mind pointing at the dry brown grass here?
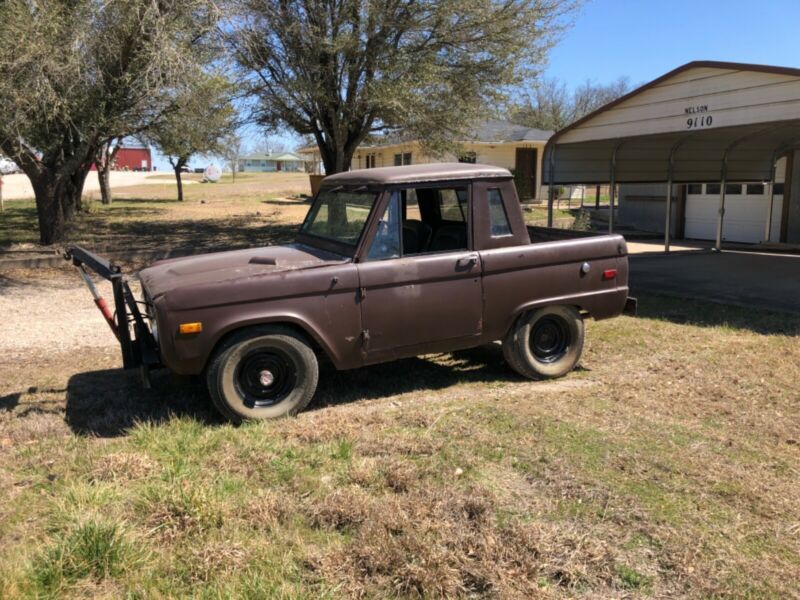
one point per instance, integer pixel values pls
(667, 465)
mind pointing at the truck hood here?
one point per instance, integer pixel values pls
(225, 267)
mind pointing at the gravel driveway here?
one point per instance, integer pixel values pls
(53, 314)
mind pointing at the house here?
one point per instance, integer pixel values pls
(493, 142)
(267, 162)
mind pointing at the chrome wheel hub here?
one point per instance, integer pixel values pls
(266, 378)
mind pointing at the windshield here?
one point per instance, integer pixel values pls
(339, 215)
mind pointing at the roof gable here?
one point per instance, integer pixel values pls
(698, 95)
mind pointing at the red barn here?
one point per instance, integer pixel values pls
(132, 158)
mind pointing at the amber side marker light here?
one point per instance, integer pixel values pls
(190, 328)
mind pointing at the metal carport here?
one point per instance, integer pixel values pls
(702, 122)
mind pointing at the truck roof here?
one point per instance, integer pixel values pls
(417, 174)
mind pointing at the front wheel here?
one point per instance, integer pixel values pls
(264, 372)
(545, 343)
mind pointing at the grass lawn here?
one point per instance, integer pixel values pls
(666, 465)
(149, 216)
(538, 215)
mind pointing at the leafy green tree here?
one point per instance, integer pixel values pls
(204, 115)
(74, 74)
(338, 70)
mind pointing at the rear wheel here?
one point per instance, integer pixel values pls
(545, 343)
(262, 373)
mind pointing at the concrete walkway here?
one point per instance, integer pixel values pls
(757, 280)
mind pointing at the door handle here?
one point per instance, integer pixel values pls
(467, 262)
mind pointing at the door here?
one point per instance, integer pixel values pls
(525, 165)
(413, 301)
(746, 212)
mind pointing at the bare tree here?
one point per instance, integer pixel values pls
(269, 145)
(551, 106)
(204, 115)
(75, 74)
(232, 149)
(338, 70)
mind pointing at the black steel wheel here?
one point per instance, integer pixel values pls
(265, 378)
(550, 338)
(545, 343)
(263, 372)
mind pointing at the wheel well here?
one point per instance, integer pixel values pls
(312, 342)
(581, 311)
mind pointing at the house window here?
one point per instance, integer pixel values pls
(713, 189)
(694, 188)
(778, 189)
(755, 189)
(402, 159)
(370, 160)
(498, 219)
(468, 157)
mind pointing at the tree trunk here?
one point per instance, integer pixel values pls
(179, 181)
(57, 200)
(105, 158)
(49, 211)
(103, 176)
(336, 160)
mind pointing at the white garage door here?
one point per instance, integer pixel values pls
(746, 209)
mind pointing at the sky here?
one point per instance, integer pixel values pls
(643, 39)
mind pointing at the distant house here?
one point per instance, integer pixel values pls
(493, 142)
(262, 162)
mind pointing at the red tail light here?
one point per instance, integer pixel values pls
(609, 274)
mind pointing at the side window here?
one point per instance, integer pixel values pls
(434, 220)
(386, 243)
(498, 219)
(453, 204)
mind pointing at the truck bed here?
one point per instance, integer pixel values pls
(555, 234)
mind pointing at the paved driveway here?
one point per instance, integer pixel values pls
(766, 281)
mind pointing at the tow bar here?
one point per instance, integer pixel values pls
(137, 343)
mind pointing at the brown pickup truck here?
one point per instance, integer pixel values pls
(389, 263)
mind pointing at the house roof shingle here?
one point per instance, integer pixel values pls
(493, 130)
